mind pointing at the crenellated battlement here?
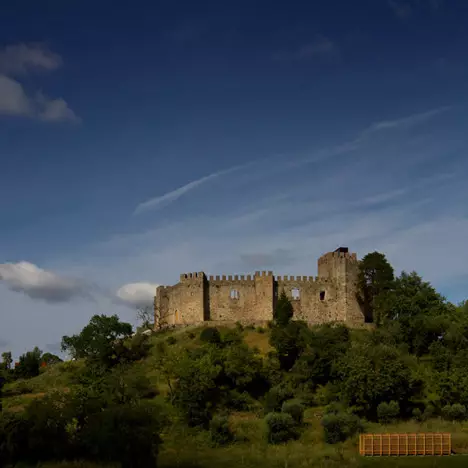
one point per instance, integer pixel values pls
(327, 297)
(200, 275)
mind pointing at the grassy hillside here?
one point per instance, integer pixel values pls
(192, 447)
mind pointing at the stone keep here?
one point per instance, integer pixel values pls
(329, 297)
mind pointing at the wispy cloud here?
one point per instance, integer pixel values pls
(18, 59)
(169, 197)
(321, 46)
(405, 9)
(14, 100)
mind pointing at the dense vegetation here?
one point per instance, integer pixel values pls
(247, 395)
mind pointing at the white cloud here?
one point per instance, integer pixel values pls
(13, 99)
(137, 295)
(40, 284)
(54, 110)
(21, 58)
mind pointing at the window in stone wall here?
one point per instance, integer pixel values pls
(234, 294)
(296, 294)
(322, 295)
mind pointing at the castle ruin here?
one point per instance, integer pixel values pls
(329, 297)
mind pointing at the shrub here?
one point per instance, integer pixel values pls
(281, 427)
(124, 433)
(388, 412)
(295, 408)
(429, 411)
(340, 426)
(417, 414)
(191, 335)
(210, 335)
(455, 412)
(220, 431)
(231, 337)
(171, 340)
(260, 330)
(275, 398)
(239, 327)
(250, 327)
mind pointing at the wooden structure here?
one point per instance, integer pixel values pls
(384, 445)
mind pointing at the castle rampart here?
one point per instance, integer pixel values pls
(328, 297)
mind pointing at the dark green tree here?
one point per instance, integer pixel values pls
(284, 311)
(375, 278)
(49, 359)
(7, 360)
(98, 340)
(29, 364)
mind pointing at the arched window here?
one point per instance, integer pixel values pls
(234, 294)
(295, 294)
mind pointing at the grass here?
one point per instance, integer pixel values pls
(191, 448)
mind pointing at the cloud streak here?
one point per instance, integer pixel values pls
(169, 197)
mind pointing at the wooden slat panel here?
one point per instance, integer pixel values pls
(421, 444)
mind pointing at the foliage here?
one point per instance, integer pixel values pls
(210, 335)
(295, 408)
(375, 278)
(455, 412)
(220, 432)
(339, 426)
(369, 376)
(276, 396)
(50, 359)
(388, 412)
(283, 311)
(29, 364)
(171, 340)
(281, 427)
(97, 341)
(7, 360)
(289, 342)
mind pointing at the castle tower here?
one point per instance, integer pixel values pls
(341, 266)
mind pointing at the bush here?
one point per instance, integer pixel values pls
(455, 412)
(428, 413)
(220, 431)
(191, 335)
(281, 427)
(417, 414)
(295, 408)
(171, 340)
(338, 427)
(275, 398)
(231, 337)
(260, 330)
(388, 412)
(125, 434)
(210, 335)
(239, 327)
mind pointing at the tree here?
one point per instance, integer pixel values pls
(375, 278)
(289, 342)
(7, 360)
(283, 311)
(145, 315)
(49, 359)
(29, 364)
(98, 339)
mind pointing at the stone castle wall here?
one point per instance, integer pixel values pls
(329, 297)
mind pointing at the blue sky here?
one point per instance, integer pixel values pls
(153, 138)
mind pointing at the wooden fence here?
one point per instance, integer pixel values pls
(384, 445)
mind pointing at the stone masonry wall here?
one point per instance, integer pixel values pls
(329, 297)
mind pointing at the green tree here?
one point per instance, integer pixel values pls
(289, 342)
(369, 375)
(375, 278)
(29, 364)
(7, 360)
(98, 340)
(284, 311)
(49, 359)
